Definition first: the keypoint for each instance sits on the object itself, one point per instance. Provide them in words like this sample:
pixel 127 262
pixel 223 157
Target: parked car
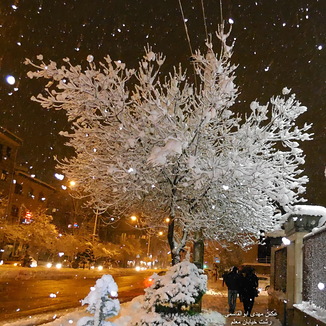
pixel 263 283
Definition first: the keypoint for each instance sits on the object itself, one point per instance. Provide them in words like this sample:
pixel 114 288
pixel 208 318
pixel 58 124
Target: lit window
pixel 8 154
pixel 4 175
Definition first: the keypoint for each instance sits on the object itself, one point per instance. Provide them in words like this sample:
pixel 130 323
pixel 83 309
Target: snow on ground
pixel 128 312
pixel 68 318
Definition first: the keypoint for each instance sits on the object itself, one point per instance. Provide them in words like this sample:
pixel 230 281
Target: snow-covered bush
pixel 171 298
pixel 101 302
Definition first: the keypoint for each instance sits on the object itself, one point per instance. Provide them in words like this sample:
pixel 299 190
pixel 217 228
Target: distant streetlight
pixel 167 220
pixel 71 185
pixel 133 218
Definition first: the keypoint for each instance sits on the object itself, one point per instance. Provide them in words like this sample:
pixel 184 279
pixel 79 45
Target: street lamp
pixel 160 233
pixel 72 184
pixel 133 218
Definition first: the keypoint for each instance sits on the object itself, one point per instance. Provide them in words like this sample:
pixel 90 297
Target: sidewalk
pixel 216 299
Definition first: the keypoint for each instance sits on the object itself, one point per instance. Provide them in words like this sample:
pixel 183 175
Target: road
pixel 22 298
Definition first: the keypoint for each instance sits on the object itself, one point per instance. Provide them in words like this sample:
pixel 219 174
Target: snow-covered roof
pixel 308 210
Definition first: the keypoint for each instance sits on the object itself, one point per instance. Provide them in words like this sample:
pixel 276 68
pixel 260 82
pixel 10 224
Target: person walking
pixel 232 281
pixel 248 290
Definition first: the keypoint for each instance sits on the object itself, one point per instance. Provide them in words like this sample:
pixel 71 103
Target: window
pixel 31 193
pixel 4 175
pixel 8 154
pixel 18 189
pixel 14 211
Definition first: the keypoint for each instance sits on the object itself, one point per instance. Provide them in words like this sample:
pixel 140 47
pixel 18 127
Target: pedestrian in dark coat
pixel 232 281
pixel 248 290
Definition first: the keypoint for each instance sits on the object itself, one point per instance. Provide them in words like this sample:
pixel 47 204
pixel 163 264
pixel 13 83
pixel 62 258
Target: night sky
pixel 278 43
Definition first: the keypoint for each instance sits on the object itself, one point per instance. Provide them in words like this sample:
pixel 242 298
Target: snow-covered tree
pixel 38 237
pixel 102 303
pixel 165 147
pixel 71 244
pixel 171 298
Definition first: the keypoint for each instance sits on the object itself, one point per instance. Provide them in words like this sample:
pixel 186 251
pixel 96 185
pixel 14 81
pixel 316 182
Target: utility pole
pixel 148 244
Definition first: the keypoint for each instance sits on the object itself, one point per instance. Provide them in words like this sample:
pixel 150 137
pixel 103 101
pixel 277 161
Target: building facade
pixel 29 195
pixel 9 145
pixel 21 195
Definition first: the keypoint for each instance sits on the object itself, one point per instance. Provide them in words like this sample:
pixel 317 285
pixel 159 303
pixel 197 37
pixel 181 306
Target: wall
pixel 302 263
pixel 9 144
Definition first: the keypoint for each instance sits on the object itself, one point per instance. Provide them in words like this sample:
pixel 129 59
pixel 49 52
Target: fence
pixel 280 270
pixel 314 271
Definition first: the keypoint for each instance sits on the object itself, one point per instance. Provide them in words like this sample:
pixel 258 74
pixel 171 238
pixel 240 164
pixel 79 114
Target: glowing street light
pixel 133 218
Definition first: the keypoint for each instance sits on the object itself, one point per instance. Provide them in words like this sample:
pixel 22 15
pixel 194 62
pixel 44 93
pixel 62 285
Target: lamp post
pixel 149 233
pixel 159 234
pixel 95 225
pixel 72 184
pixel 148 244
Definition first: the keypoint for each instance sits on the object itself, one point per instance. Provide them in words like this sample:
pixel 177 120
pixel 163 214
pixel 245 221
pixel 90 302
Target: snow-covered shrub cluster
pixel 172 297
pixel 101 303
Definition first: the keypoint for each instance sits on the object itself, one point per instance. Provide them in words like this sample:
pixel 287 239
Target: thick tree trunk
pixel 175 255
pixel 199 250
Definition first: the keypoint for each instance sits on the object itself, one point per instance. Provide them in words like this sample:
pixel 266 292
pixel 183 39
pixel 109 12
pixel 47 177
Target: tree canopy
pixel 164 147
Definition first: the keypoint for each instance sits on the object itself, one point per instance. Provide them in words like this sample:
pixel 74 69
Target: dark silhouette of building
pixel 21 194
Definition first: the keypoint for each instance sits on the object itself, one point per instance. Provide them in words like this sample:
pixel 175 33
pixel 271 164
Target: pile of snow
pixel 129 313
